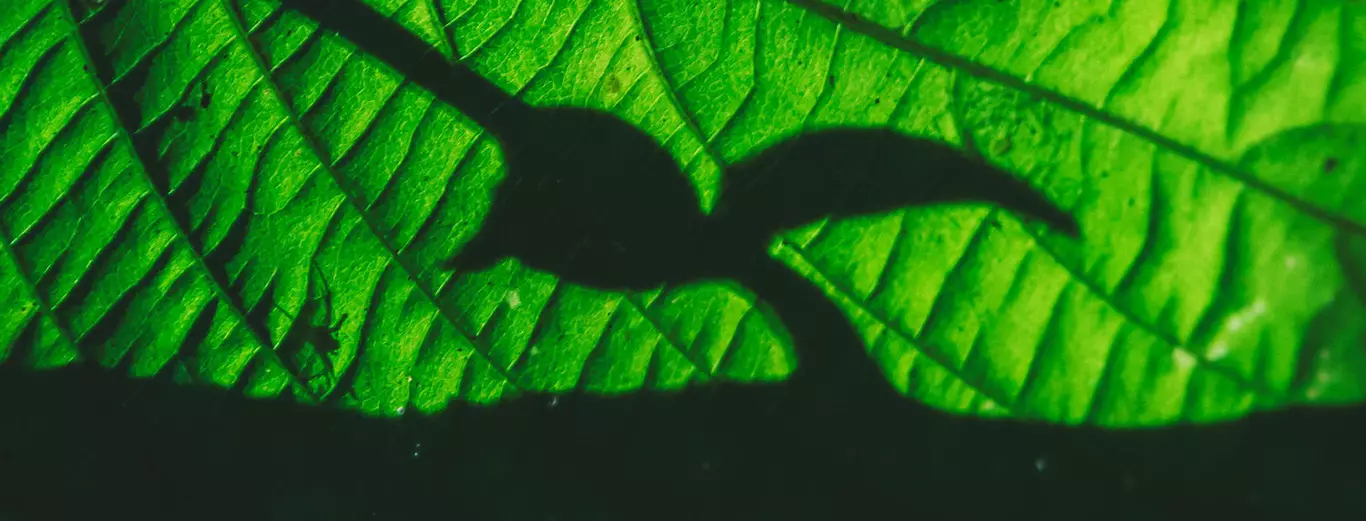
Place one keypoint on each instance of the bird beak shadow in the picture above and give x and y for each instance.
(850, 172)
(1020, 198)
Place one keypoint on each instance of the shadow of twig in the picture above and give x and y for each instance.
(610, 209)
(599, 203)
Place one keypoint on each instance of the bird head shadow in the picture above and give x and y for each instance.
(599, 203)
(596, 201)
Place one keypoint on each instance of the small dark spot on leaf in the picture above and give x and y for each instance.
(877, 101)
(1330, 164)
(830, 79)
(637, 37)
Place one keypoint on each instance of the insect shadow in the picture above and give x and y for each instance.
(600, 203)
(831, 442)
(150, 142)
(316, 326)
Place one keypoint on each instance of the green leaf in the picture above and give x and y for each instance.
(170, 170)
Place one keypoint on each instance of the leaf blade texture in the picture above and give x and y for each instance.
(171, 169)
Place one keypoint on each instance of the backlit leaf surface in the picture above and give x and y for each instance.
(1212, 151)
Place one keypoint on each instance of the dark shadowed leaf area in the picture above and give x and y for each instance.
(344, 259)
(165, 452)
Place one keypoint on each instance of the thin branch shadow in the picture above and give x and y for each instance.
(596, 201)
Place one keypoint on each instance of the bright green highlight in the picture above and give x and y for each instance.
(1211, 149)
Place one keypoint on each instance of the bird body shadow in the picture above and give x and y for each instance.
(597, 202)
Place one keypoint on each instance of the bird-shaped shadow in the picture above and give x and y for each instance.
(598, 202)
(612, 210)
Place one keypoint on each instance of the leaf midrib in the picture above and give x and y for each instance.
(706, 143)
(842, 19)
(836, 15)
(44, 308)
(123, 133)
(348, 192)
(912, 340)
(948, 60)
(854, 22)
(1144, 325)
(326, 165)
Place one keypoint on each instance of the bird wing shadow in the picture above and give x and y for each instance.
(832, 173)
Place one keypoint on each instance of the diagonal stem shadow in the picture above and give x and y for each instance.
(612, 210)
(599, 203)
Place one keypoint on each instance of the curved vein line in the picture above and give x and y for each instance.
(1143, 325)
(44, 308)
(1240, 92)
(443, 26)
(911, 340)
(343, 186)
(31, 173)
(1106, 374)
(1036, 353)
(663, 334)
(460, 163)
(600, 346)
(670, 93)
(727, 356)
(21, 90)
(987, 73)
(8, 42)
(179, 231)
(1336, 82)
(404, 163)
(824, 91)
(156, 48)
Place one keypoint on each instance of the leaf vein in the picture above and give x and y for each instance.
(986, 73)
(934, 355)
(163, 205)
(347, 191)
(668, 339)
(44, 308)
